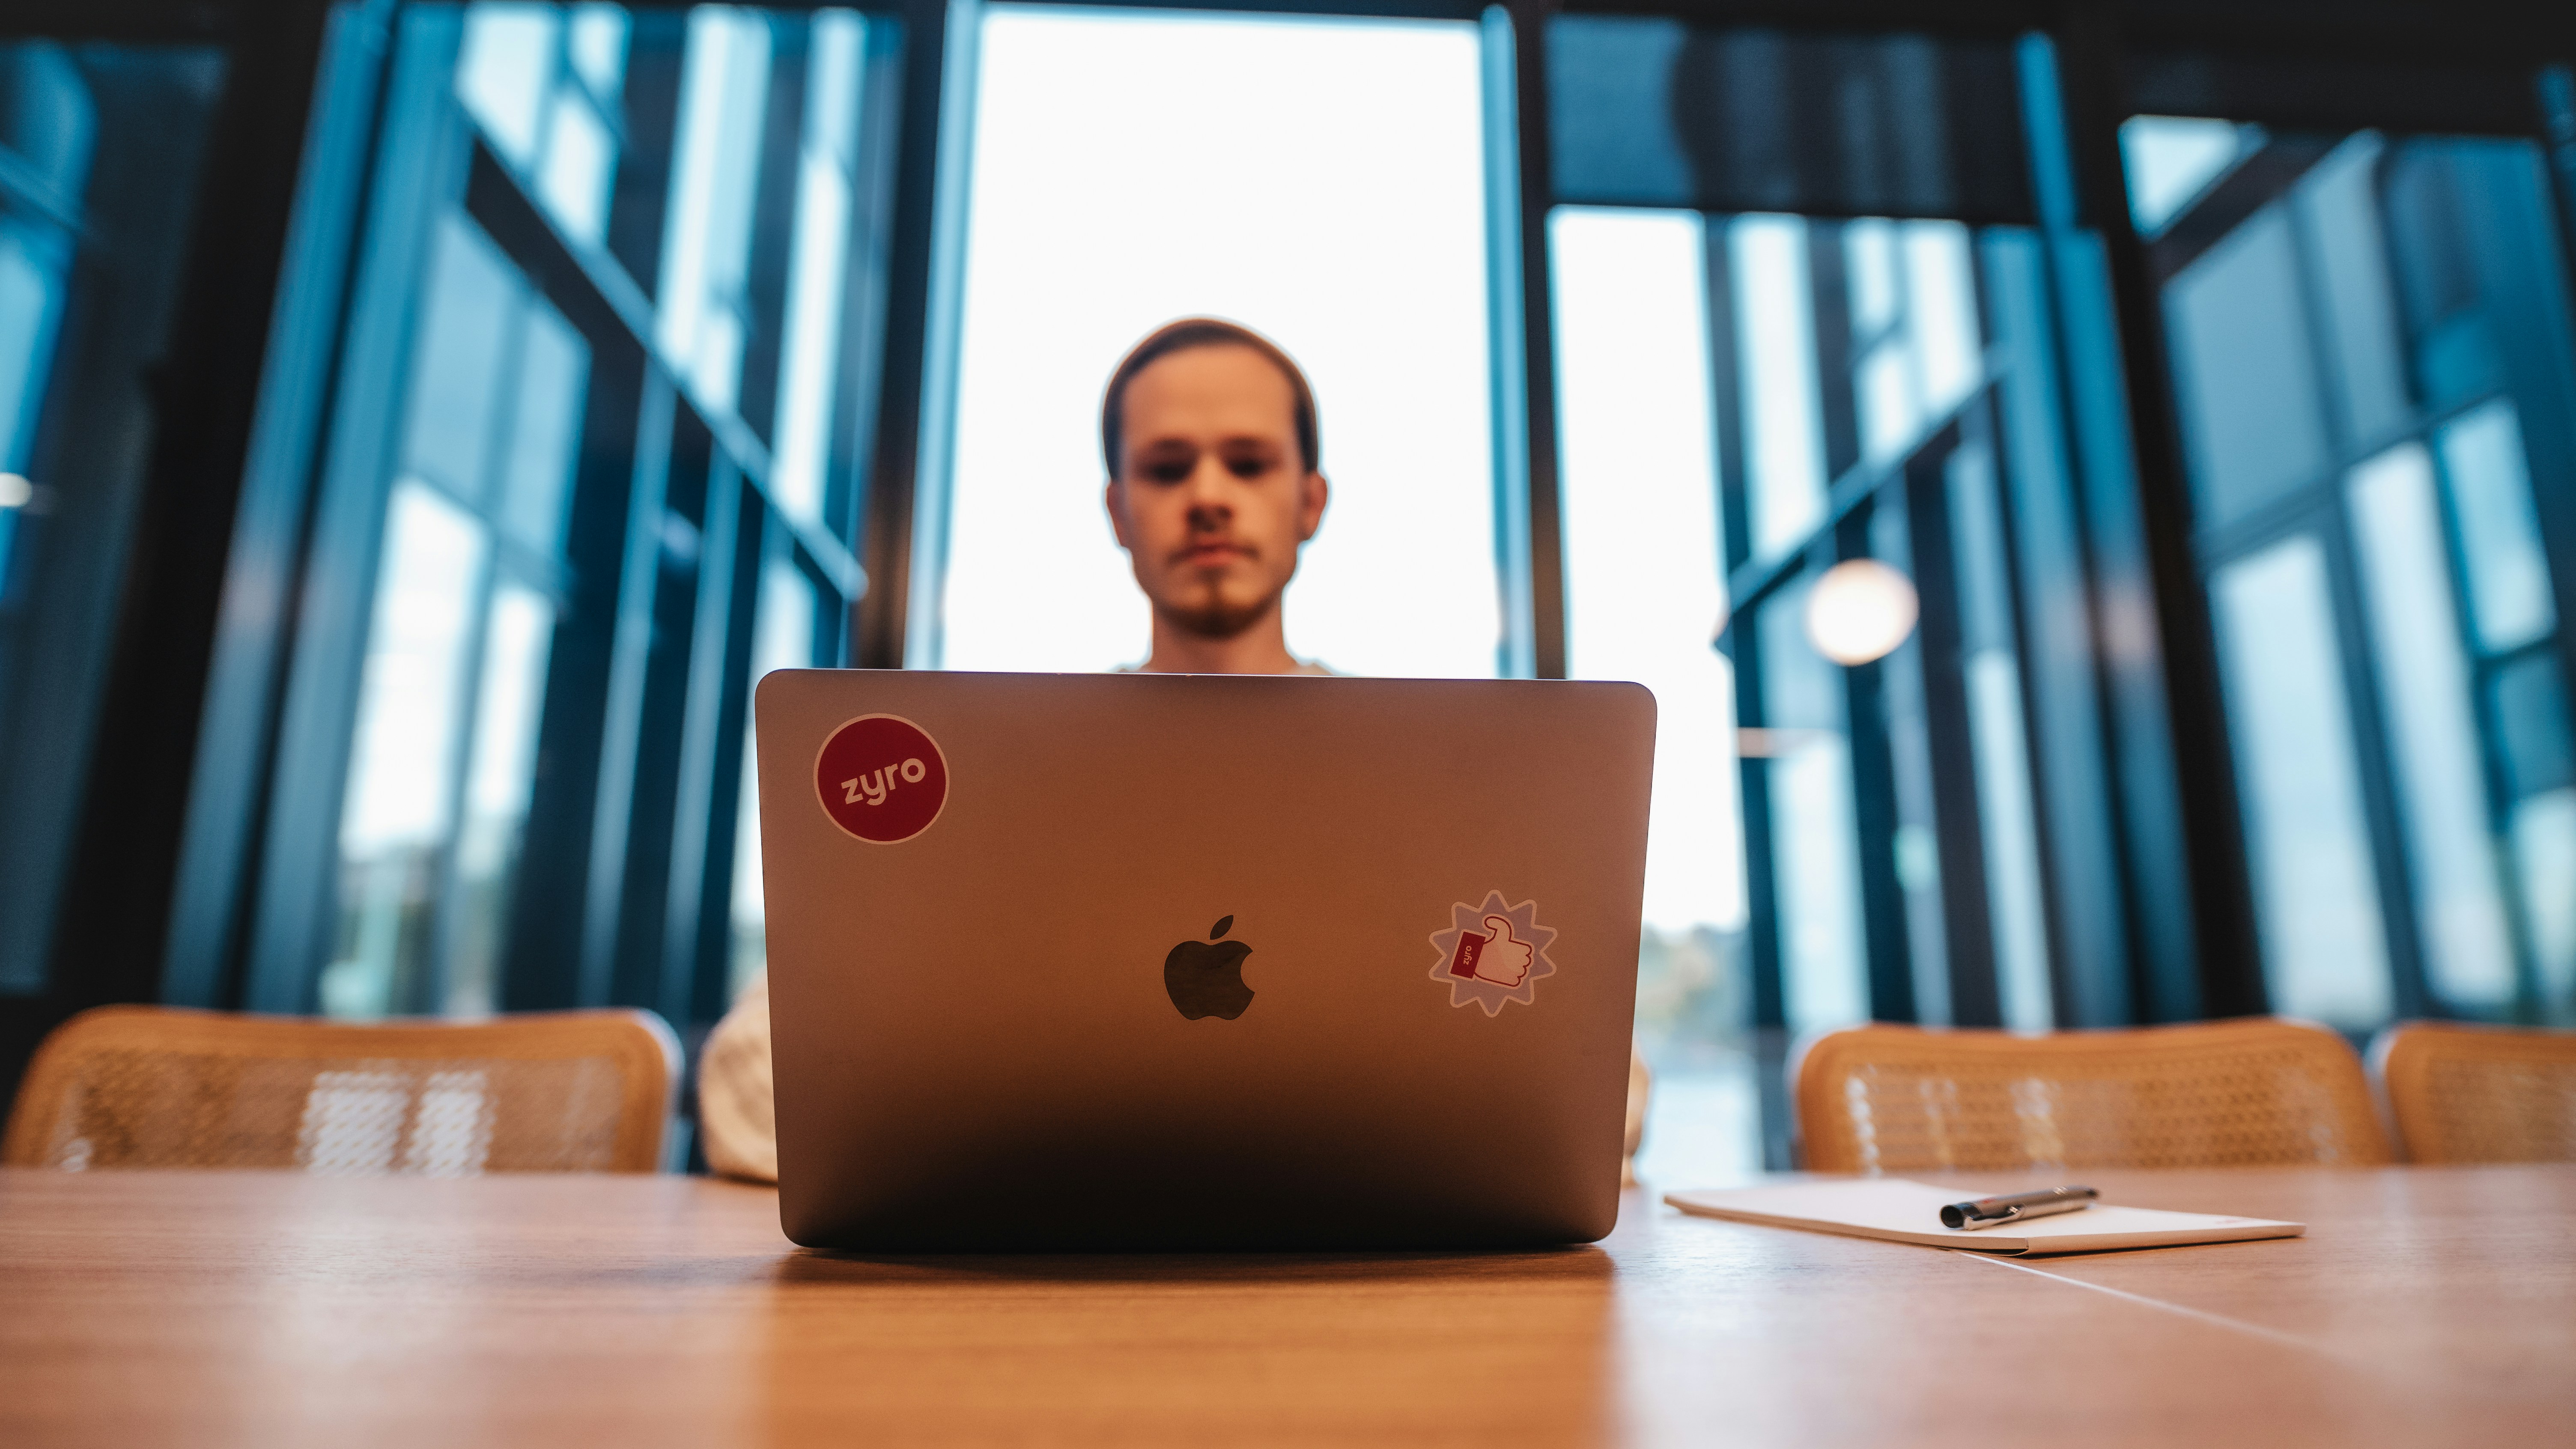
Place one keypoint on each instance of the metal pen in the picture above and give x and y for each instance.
(1987, 1212)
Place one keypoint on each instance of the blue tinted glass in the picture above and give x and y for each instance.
(2490, 485)
(1815, 834)
(31, 263)
(467, 314)
(48, 119)
(1784, 440)
(2006, 805)
(715, 167)
(2171, 160)
(2430, 708)
(2248, 387)
(782, 638)
(1610, 129)
(404, 760)
(809, 354)
(2531, 718)
(545, 436)
(597, 43)
(504, 71)
(579, 169)
(2316, 899)
(2339, 204)
(2544, 858)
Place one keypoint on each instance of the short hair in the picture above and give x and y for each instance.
(1186, 335)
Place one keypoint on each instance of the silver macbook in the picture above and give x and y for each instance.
(1200, 962)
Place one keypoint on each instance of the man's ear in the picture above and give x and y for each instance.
(1313, 495)
(1114, 498)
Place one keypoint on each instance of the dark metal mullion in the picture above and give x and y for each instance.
(234, 759)
(1750, 580)
(1958, 819)
(2189, 742)
(758, 543)
(894, 483)
(1538, 332)
(712, 661)
(1884, 928)
(1873, 767)
(630, 661)
(1516, 654)
(420, 169)
(848, 487)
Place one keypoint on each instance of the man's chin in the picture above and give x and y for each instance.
(1216, 617)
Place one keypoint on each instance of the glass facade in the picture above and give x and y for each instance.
(593, 445)
(426, 513)
(102, 151)
(2359, 333)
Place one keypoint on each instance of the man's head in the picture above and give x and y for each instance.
(1210, 438)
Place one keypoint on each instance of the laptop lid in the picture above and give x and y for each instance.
(1141, 961)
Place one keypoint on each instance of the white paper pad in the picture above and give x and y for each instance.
(1910, 1212)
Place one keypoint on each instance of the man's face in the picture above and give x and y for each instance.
(1212, 497)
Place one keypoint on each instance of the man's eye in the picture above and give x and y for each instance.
(1247, 467)
(1168, 471)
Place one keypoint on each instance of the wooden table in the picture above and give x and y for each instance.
(2425, 1306)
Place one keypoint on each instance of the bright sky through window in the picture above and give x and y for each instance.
(1319, 181)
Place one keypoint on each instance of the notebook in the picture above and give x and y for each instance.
(1910, 1212)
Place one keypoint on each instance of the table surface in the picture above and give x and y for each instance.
(2425, 1306)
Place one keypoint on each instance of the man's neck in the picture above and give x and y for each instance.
(1261, 648)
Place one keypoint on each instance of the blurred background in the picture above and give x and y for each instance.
(2092, 486)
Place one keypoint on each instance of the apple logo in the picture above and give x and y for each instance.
(1205, 978)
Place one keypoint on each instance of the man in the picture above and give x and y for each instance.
(1209, 435)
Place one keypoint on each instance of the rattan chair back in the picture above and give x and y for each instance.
(1878, 1099)
(2480, 1093)
(140, 1086)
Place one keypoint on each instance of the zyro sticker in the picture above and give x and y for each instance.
(1492, 952)
(881, 778)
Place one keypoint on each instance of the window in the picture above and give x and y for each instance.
(1321, 181)
(594, 465)
(1645, 589)
(101, 147)
(1774, 358)
(2360, 326)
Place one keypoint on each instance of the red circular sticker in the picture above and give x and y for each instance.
(881, 778)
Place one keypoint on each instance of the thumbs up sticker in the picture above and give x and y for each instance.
(1492, 953)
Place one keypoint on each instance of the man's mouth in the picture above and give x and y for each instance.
(1213, 554)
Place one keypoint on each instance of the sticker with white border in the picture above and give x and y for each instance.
(1492, 953)
(881, 778)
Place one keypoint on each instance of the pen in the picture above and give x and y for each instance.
(1986, 1212)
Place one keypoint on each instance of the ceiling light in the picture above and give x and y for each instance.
(1859, 610)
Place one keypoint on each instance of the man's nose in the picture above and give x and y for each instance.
(1208, 494)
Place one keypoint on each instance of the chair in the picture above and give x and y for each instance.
(2480, 1093)
(141, 1086)
(1879, 1099)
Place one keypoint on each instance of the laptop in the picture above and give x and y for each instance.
(1199, 962)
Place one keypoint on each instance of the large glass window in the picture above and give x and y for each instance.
(1321, 181)
(466, 600)
(100, 150)
(2360, 325)
(594, 435)
(1645, 588)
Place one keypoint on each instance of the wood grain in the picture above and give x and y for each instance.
(2426, 1306)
